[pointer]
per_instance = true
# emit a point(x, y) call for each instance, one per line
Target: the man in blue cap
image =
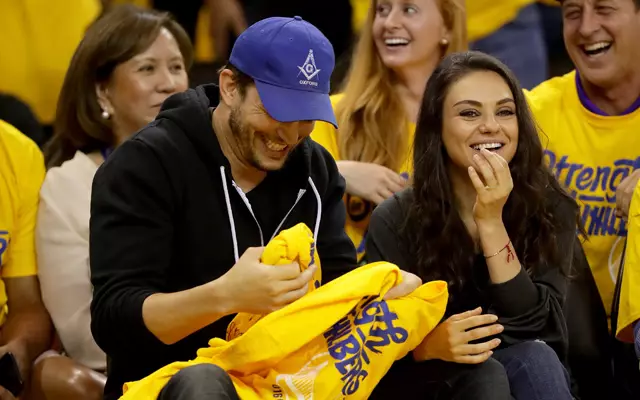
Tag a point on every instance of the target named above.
point(181, 211)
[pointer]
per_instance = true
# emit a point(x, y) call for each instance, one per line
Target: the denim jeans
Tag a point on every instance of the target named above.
point(202, 381)
point(534, 372)
point(526, 371)
point(520, 44)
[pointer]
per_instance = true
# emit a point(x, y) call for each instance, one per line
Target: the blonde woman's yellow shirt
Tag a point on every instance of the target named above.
point(358, 210)
point(487, 16)
point(590, 155)
point(21, 175)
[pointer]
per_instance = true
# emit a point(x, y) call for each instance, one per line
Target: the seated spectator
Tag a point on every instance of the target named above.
point(178, 211)
point(485, 215)
point(128, 63)
point(400, 45)
point(25, 327)
point(589, 119)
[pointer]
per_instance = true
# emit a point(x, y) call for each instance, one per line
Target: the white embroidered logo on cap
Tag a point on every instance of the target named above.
point(309, 70)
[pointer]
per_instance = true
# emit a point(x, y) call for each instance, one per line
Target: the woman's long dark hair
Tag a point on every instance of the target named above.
point(437, 238)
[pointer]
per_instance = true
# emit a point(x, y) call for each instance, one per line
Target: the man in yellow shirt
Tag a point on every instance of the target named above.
point(589, 120)
point(25, 329)
point(590, 124)
point(26, 364)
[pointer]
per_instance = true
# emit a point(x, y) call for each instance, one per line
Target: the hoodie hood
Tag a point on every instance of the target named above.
point(191, 112)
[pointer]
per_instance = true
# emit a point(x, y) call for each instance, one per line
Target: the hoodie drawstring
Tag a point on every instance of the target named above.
point(232, 222)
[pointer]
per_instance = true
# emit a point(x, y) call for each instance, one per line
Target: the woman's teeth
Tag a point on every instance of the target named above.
point(271, 145)
point(488, 146)
point(396, 42)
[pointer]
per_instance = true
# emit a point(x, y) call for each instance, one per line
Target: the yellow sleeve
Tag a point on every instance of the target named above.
point(30, 170)
point(327, 136)
point(629, 308)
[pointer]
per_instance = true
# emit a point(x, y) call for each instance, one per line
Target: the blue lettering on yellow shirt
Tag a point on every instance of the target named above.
point(350, 346)
point(4, 243)
point(593, 186)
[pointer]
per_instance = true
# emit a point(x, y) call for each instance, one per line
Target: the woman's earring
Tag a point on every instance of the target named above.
point(105, 114)
point(444, 42)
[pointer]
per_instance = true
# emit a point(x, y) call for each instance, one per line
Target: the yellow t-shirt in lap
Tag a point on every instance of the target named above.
point(21, 175)
point(590, 154)
point(336, 342)
point(358, 210)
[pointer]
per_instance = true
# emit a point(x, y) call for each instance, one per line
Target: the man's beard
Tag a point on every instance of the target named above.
point(242, 135)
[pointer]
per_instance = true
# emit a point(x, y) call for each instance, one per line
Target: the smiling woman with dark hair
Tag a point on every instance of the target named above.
point(485, 215)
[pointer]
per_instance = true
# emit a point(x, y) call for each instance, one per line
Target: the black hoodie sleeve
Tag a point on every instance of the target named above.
point(130, 245)
point(336, 251)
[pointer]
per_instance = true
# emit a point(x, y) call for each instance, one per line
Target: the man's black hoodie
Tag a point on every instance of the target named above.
point(166, 216)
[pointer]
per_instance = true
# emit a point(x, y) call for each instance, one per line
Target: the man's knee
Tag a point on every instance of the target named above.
point(486, 381)
point(200, 373)
point(493, 371)
point(199, 381)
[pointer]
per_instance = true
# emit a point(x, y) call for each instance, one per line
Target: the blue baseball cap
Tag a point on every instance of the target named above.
point(291, 63)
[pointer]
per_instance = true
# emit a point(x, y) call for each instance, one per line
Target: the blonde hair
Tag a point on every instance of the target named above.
point(372, 120)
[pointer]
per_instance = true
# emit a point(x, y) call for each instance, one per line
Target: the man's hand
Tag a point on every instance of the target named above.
point(410, 282)
point(624, 193)
point(256, 288)
point(225, 16)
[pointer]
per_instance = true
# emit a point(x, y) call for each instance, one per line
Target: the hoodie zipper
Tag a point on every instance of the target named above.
point(301, 193)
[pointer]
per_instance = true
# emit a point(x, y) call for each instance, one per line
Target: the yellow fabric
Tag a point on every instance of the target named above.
point(291, 245)
point(21, 175)
point(359, 10)
point(335, 342)
point(591, 155)
point(37, 40)
point(629, 309)
point(358, 210)
point(487, 16)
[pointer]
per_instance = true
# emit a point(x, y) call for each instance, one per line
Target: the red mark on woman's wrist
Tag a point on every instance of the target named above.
point(510, 254)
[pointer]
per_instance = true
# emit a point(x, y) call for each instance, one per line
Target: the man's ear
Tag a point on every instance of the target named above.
point(229, 90)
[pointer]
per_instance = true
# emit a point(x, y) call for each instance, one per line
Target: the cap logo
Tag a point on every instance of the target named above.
point(309, 70)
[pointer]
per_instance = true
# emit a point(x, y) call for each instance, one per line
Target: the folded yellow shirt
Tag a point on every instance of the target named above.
point(629, 308)
point(295, 244)
point(337, 341)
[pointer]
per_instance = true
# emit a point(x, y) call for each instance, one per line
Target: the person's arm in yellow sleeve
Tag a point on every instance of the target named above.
point(369, 181)
point(27, 330)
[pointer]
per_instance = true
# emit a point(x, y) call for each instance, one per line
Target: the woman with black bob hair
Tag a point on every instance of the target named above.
point(485, 215)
